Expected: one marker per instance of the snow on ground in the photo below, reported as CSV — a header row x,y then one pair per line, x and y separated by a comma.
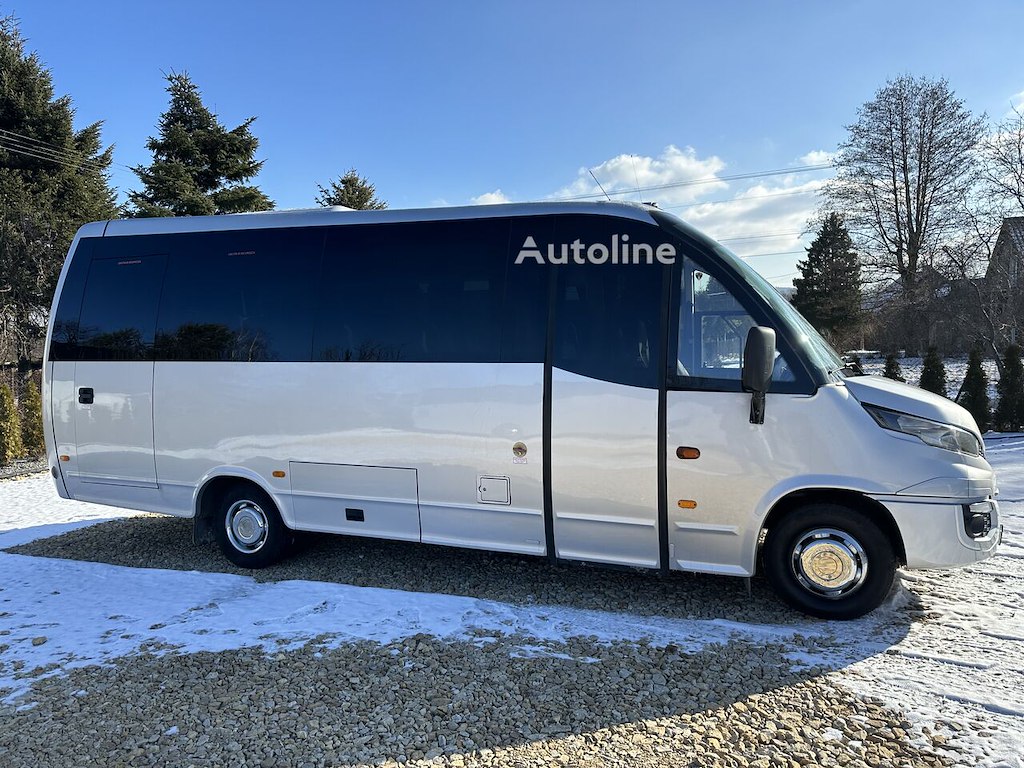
x,y
959,668
965,663
73,613
956,369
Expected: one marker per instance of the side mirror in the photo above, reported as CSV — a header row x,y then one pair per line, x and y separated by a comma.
x,y
758,364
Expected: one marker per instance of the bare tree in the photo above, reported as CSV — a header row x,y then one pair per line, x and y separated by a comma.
x,y
979,310
993,316
901,175
1003,151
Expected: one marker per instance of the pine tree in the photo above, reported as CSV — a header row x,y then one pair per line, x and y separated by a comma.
x,y
53,179
828,291
10,428
974,393
1009,415
933,373
892,369
199,167
352,191
32,421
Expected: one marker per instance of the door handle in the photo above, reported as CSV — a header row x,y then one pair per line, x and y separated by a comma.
x,y
85,395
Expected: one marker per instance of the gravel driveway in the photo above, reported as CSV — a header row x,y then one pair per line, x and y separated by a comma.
x,y
490,698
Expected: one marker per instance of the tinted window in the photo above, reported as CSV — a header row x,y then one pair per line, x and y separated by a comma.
x,y
608,308
525,315
418,292
119,307
244,296
64,334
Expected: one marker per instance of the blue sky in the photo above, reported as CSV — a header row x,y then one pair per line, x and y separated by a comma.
x,y
450,103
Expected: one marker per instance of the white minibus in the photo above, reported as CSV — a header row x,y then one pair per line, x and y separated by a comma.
x,y
591,382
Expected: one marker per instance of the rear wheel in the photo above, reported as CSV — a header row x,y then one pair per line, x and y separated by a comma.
x,y
829,561
249,528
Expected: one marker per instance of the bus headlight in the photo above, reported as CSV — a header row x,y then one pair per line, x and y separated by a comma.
x,y
934,433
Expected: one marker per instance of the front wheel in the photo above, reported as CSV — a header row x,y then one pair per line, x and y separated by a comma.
x,y
249,529
829,561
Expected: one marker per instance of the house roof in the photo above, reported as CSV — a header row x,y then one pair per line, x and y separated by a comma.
x,y
1013,228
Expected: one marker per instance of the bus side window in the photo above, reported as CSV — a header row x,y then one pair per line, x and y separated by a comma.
x,y
608,315
426,292
119,308
240,296
713,328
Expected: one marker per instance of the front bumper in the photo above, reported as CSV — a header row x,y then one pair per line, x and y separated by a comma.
x,y
934,533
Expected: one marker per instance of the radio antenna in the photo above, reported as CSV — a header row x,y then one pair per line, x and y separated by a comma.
x,y
636,180
599,184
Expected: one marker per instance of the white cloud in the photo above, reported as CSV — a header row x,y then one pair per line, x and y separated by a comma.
x,y
1017,102
490,198
766,223
763,220
817,157
674,166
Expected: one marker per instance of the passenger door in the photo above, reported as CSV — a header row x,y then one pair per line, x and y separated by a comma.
x,y
606,364
113,386
719,465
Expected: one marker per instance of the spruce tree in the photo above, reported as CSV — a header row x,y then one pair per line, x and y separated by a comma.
x,y
32,421
53,179
10,428
933,373
199,167
828,290
352,191
892,368
1009,414
974,393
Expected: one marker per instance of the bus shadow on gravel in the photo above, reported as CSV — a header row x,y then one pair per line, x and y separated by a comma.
x,y
166,542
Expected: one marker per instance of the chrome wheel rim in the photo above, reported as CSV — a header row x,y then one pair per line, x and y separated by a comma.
x,y
247,526
829,562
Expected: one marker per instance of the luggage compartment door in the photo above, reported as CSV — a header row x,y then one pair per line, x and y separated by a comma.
x,y
361,501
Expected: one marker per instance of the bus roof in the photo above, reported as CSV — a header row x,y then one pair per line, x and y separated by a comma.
x,y
316,217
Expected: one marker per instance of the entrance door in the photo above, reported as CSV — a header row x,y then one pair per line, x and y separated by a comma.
x,y
114,373
606,363
719,465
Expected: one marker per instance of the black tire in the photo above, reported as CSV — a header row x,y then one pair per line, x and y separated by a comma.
x,y
829,561
248,528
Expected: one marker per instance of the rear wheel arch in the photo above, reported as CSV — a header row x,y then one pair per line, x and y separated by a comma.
x,y
211,492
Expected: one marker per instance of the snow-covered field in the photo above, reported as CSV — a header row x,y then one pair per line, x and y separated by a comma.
x,y
957,668
956,369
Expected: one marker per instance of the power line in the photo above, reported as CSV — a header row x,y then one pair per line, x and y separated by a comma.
x,y
38,156
705,180
739,199
778,253
44,154
759,237
77,167
17,141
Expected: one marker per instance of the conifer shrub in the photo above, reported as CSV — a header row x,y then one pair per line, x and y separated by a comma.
x,y
892,369
1009,414
10,428
32,421
974,393
933,373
